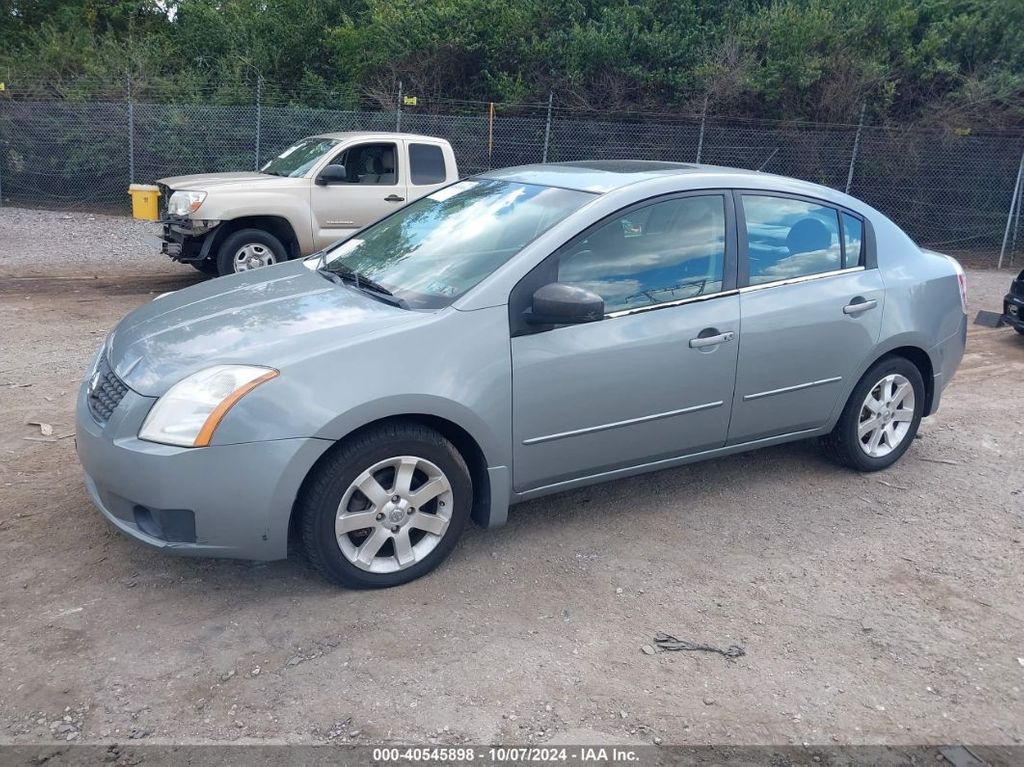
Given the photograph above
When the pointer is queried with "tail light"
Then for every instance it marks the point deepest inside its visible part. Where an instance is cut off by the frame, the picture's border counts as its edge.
(961, 282)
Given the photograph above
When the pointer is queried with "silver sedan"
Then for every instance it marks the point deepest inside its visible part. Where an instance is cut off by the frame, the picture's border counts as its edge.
(519, 333)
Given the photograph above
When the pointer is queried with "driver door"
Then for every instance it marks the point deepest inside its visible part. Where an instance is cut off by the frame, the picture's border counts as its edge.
(375, 184)
(654, 379)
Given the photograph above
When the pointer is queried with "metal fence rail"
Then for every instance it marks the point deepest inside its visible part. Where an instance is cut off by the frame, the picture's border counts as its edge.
(952, 191)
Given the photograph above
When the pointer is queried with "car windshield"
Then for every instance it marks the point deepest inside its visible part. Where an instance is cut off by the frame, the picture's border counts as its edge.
(434, 250)
(297, 159)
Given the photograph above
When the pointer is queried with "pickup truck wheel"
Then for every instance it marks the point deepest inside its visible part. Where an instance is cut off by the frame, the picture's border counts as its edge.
(249, 249)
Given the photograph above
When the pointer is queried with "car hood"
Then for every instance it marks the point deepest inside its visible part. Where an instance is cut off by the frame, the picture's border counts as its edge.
(270, 316)
(202, 182)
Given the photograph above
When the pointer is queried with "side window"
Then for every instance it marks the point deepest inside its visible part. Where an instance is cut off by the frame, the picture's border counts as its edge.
(790, 238)
(853, 241)
(664, 252)
(374, 164)
(426, 164)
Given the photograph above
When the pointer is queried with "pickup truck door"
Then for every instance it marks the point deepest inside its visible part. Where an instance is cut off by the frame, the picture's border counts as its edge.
(375, 184)
(431, 166)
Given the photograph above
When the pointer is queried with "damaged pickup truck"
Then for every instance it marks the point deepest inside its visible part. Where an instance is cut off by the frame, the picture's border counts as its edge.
(316, 192)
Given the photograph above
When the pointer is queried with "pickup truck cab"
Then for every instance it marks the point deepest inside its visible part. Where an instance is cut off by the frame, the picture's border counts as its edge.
(316, 192)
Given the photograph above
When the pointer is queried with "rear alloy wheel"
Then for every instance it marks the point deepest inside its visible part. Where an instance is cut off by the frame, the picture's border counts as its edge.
(249, 249)
(386, 507)
(881, 417)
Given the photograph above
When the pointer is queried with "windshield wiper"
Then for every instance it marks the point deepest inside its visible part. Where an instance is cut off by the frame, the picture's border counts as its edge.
(363, 283)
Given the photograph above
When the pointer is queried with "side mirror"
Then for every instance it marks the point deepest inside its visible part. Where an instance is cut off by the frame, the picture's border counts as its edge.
(332, 174)
(559, 304)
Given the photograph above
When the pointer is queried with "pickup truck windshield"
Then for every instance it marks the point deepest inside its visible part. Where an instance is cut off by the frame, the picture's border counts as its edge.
(435, 249)
(297, 159)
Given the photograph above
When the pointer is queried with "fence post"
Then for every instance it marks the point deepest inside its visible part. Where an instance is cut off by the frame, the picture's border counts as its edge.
(1016, 227)
(3, 159)
(259, 117)
(131, 132)
(490, 132)
(1014, 201)
(398, 110)
(703, 119)
(856, 147)
(547, 129)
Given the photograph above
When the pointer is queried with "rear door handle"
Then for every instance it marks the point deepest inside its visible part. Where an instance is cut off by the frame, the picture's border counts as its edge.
(394, 198)
(721, 338)
(857, 307)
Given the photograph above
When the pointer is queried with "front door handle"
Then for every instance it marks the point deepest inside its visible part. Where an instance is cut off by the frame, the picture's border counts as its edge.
(856, 306)
(394, 198)
(705, 341)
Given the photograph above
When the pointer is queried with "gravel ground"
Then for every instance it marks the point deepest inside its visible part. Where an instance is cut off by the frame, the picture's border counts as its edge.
(880, 608)
(37, 242)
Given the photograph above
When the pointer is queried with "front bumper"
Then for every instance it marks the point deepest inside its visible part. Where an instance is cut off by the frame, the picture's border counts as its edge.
(220, 501)
(1013, 311)
(185, 239)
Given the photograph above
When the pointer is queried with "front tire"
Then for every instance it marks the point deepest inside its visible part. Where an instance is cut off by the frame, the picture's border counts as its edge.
(386, 507)
(249, 249)
(881, 417)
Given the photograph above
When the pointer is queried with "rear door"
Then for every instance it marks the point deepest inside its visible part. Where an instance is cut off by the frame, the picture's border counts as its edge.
(654, 378)
(428, 168)
(375, 184)
(810, 308)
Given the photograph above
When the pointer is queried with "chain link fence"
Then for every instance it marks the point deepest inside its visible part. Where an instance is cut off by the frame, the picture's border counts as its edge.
(948, 190)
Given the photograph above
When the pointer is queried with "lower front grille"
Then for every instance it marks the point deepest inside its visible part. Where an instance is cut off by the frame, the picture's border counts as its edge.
(105, 392)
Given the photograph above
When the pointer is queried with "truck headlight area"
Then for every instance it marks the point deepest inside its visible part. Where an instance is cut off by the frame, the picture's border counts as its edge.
(184, 202)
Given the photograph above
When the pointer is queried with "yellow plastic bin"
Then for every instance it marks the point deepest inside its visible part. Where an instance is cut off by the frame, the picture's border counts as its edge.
(145, 199)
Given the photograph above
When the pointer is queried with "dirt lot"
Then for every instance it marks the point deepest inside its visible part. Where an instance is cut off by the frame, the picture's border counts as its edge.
(873, 609)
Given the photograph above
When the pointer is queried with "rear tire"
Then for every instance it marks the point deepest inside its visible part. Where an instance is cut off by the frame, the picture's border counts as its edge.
(1019, 330)
(249, 249)
(881, 418)
(386, 507)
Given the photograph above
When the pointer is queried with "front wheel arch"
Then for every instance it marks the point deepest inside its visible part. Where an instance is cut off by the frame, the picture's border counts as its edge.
(278, 226)
(463, 441)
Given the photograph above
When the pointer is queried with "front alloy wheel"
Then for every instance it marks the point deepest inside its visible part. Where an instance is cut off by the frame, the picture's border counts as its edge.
(385, 506)
(394, 514)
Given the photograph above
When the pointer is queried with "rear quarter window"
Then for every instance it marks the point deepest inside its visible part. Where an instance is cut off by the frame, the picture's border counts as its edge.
(426, 164)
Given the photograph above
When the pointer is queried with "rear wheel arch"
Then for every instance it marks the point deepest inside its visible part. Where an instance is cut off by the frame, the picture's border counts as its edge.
(920, 359)
(463, 441)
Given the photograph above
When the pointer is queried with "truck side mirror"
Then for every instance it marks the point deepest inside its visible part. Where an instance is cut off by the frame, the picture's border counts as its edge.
(332, 174)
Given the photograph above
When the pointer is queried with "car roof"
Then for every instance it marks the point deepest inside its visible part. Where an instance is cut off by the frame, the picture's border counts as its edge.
(345, 135)
(601, 176)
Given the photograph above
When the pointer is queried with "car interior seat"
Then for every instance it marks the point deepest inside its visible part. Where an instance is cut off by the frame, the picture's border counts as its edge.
(807, 236)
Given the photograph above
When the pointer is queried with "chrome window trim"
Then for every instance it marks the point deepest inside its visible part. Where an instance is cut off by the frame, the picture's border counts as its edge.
(618, 424)
(802, 278)
(667, 304)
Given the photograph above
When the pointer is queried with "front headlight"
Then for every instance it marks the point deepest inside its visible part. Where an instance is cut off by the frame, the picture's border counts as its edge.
(183, 203)
(190, 411)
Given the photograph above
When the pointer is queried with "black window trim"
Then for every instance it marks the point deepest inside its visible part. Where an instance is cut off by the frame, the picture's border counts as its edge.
(867, 239)
(398, 164)
(543, 273)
